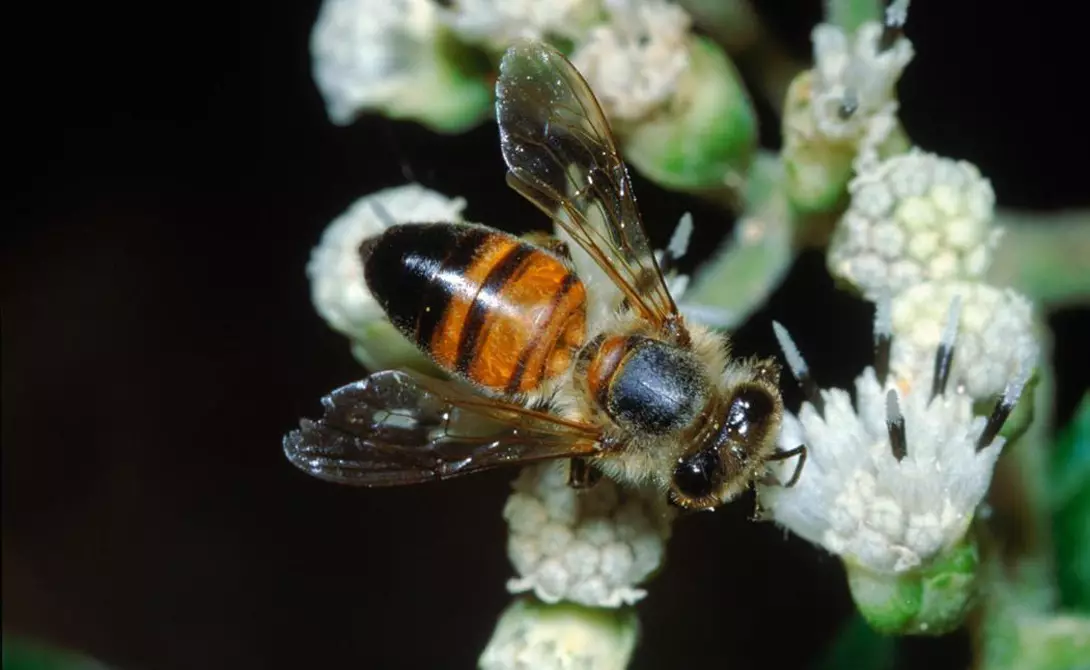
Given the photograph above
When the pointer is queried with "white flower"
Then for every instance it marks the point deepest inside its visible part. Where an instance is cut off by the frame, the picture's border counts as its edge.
(337, 286)
(536, 636)
(592, 547)
(855, 80)
(633, 61)
(995, 339)
(914, 217)
(893, 481)
(387, 55)
(499, 23)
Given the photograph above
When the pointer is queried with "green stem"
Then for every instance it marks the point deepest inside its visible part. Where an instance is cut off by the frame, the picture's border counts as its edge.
(1071, 509)
(754, 260)
(1044, 254)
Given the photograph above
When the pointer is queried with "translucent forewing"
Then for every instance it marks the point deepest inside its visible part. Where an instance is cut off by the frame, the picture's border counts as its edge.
(397, 427)
(560, 152)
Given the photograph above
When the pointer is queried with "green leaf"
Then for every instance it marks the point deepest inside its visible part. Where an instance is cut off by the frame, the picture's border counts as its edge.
(857, 645)
(1071, 509)
(22, 654)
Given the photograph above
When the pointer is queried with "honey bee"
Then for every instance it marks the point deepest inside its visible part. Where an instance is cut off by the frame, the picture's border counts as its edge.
(547, 362)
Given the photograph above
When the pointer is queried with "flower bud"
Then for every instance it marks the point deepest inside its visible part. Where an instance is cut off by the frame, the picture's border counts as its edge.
(592, 547)
(531, 635)
(914, 217)
(395, 57)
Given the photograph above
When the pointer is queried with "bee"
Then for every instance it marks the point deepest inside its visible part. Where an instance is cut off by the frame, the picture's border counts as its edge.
(546, 361)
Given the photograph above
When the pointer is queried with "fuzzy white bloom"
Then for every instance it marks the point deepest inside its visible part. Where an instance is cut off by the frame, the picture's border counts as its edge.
(393, 56)
(854, 78)
(995, 341)
(337, 286)
(635, 59)
(592, 547)
(854, 85)
(363, 51)
(915, 217)
(535, 636)
(855, 499)
(499, 23)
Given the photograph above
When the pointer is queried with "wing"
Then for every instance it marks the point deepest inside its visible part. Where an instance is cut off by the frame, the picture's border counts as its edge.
(560, 152)
(398, 427)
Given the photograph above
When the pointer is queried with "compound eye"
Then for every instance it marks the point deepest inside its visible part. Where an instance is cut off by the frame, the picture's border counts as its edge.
(697, 475)
(749, 410)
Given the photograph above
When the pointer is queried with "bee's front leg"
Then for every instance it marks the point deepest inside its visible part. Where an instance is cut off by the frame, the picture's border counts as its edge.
(582, 475)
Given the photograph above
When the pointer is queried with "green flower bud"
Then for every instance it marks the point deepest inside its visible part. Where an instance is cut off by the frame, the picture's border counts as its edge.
(705, 134)
(931, 600)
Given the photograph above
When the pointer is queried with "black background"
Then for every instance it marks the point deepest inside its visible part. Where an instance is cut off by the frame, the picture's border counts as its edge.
(175, 167)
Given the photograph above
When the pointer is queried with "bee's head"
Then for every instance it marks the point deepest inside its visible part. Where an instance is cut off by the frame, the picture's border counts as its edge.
(723, 465)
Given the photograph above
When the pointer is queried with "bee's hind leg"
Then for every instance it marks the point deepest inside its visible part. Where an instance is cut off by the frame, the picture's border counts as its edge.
(582, 475)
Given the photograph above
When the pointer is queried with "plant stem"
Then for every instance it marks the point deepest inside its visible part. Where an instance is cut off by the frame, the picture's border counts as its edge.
(1044, 254)
(754, 260)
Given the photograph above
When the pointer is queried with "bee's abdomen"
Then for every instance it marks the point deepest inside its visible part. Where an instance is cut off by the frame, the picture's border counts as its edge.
(484, 304)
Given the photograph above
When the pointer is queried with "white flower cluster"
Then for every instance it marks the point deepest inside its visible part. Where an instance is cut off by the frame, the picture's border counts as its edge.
(915, 217)
(855, 77)
(591, 547)
(364, 51)
(535, 636)
(855, 499)
(337, 287)
(892, 481)
(634, 60)
(399, 56)
(499, 23)
(996, 341)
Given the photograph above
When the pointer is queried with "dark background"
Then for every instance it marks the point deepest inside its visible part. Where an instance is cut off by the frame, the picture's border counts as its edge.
(175, 169)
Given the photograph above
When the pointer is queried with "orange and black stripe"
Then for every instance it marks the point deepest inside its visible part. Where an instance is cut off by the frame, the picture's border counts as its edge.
(484, 304)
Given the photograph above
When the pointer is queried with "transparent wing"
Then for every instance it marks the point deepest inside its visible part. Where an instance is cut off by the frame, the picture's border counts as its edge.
(398, 427)
(561, 155)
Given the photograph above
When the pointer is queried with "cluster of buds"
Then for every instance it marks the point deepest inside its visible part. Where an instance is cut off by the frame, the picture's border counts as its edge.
(841, 115)
(674, 98)
(914, 217)
(893, 480)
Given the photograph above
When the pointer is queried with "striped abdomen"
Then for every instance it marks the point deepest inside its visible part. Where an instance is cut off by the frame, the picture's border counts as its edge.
(484, 304)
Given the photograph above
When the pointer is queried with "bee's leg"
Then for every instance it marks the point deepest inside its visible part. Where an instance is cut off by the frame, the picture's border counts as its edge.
(759, 513)
(582, 475)
(783, 455)
(546, 241)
